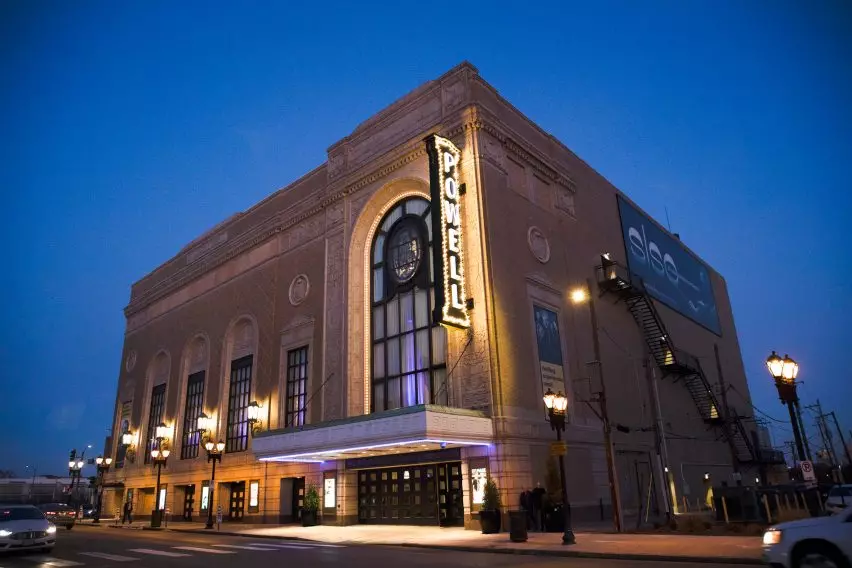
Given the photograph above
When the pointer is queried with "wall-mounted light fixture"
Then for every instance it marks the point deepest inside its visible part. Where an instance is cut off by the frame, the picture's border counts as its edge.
(253, 413)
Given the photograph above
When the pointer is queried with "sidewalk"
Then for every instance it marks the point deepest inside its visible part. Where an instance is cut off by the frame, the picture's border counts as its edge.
(660, 547)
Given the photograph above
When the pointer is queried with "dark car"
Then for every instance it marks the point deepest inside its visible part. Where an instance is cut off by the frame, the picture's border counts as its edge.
(59, 514)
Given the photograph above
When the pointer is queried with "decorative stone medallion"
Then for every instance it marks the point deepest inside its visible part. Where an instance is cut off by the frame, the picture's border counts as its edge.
(299, 288)
(130, 363)
(539, 246)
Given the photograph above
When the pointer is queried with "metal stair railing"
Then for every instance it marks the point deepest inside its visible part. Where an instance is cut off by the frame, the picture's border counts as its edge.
(675, 362)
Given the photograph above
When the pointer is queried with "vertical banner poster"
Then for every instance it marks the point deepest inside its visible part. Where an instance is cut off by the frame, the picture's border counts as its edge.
(549, 350)
(123, 428)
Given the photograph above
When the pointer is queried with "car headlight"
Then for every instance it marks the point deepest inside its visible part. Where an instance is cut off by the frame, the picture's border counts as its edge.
(4, 532)
(772, 536)
(51, 529)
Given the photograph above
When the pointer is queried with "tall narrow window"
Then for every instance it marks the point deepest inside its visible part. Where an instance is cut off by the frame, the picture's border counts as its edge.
(297, 386)
(409, 353)
(155, 416)
(192, 409)
(238, 401)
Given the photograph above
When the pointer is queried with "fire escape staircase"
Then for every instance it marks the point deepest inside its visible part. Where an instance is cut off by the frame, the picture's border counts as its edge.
(676, 363)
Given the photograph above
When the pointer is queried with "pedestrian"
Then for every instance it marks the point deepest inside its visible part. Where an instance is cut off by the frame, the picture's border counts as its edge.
(128, 512)
(526, 506)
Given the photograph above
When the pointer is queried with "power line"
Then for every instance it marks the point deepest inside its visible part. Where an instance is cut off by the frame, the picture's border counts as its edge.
(756, 409)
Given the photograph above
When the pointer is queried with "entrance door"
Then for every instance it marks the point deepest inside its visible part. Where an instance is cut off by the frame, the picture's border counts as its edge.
(411, 495)
(450, 500)
(292, 499)
(188, 502)
(298, 498)
(237, 501)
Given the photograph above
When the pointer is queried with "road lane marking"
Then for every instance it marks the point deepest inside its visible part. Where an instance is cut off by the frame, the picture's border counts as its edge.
(293, 546)
(302, 543)
(157, 552)
(51, 561)
(104, 555)
(246, 547)
(207, 550)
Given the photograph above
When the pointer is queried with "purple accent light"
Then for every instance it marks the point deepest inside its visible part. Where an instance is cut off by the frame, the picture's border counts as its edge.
(313, 457)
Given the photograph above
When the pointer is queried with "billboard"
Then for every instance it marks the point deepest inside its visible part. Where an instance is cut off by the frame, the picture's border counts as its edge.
(549, 349)
(669, 272)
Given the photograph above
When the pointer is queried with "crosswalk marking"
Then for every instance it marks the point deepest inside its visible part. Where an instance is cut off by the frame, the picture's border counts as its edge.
(51, 561)
(157, 552)
(208, 550)
(300, 543)
(104, 555)
(293, 546)
(245, 547)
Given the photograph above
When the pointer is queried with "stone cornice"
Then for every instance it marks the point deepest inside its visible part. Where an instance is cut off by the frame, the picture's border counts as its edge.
(521, 149)
(266, 229)
(336, 191)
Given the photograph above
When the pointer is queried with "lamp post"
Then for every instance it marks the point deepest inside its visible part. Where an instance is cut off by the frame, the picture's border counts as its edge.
(214, 454)
(103, 467)
(556, 403)
(160, 455)
(784, 372)
(581, 296)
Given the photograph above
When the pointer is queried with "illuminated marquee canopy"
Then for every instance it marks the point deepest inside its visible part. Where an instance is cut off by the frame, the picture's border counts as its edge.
(450, 298)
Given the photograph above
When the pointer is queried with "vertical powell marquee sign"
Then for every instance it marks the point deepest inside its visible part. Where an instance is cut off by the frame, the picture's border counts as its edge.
(448, 257)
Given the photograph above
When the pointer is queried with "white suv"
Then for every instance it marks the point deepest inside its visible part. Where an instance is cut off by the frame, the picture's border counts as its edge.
(817, 542)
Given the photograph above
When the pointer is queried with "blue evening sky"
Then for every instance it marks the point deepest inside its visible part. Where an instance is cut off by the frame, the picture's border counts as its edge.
(132, 127)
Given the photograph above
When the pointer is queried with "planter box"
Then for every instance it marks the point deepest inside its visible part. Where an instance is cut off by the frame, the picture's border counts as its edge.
(309, 518)
(490, 521)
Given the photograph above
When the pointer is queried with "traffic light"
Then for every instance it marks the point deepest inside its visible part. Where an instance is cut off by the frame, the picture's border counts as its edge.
(73, 455)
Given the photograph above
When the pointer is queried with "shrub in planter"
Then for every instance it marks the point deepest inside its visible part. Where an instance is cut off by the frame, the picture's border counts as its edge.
(310, 507)
(489, 516)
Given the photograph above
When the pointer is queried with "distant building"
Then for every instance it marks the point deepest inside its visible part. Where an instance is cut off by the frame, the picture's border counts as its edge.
(396, 315)
(41, 489)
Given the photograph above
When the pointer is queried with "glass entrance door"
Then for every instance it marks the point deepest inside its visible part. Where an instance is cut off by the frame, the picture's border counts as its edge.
(237, 501)
(450, 499)
(298, 498)
(411, 495)
(188, 502)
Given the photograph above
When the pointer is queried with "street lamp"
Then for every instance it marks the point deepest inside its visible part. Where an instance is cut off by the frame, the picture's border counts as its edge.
(214, 454)
(784, 372)
(160, 455)
(103, 467)
(579, 296)
(556, 404)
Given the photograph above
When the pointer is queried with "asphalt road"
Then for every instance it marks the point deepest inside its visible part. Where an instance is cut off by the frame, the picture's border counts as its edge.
(105, 547)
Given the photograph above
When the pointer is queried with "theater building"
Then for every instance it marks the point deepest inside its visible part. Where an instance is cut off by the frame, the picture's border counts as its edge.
(385, 327)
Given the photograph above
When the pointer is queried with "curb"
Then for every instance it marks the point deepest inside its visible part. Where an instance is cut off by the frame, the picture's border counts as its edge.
(518, 551)
(597, 555)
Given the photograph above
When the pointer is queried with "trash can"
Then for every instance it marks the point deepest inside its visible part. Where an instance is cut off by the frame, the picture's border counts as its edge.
(518, 526)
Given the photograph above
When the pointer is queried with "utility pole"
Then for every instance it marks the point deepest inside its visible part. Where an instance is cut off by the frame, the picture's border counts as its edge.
(803, 431)
(791, 447)
(607, 428)
(726, 416)
(825, 435)
(842, 440)
(827, 440)
(661, 465)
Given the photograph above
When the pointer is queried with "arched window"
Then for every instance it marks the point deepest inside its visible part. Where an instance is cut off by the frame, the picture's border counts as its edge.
(409, 353)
